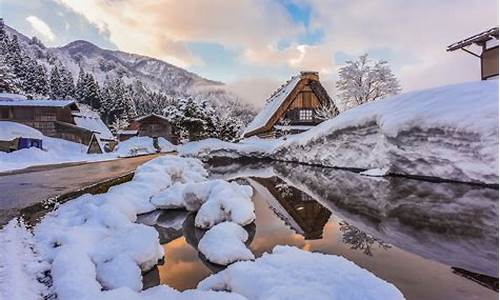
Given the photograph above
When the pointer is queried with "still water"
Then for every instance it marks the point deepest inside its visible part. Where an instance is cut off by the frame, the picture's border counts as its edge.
(431, 240)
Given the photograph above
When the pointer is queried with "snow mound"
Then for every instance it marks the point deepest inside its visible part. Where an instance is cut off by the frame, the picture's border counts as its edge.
(12, 130)
(137, 145)
(215, 200)
(224, 244)
(291, 273)
(141, 145)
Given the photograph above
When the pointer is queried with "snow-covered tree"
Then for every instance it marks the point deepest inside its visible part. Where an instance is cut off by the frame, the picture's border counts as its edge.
(192, 117)
(35, 82)
(327, 111)
(7, 78)
(67, 83)
(55, 84)
(117, 104)
(363, 80)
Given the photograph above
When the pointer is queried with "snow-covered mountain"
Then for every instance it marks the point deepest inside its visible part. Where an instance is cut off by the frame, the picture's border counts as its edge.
(155, 73)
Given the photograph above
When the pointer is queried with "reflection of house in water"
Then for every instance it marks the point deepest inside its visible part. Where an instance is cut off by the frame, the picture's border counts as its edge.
(305, 215)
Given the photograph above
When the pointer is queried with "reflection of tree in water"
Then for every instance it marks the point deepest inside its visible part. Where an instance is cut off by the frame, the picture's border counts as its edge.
(284, 190)
(358, 239)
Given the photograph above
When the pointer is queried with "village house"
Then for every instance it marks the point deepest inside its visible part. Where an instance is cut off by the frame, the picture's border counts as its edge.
(487, 41)
(151, 125)
(292, 108)
(55, 118)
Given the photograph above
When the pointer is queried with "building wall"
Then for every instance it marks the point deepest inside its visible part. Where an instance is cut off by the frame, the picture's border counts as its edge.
(157, 127)
(489, 63)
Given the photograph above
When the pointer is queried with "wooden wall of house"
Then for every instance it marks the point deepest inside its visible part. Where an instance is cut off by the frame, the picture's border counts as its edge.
(157, 127)
(305, 99)
(489, 63)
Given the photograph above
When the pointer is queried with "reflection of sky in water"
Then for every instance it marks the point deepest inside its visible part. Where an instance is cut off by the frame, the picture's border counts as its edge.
(416, 277)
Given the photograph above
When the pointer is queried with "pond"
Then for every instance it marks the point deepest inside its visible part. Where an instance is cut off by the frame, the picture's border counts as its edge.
(432, 240)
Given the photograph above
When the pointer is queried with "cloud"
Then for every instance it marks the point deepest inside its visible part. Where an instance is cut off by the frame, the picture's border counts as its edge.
(41, 27)
(164, 28)
(416, 31)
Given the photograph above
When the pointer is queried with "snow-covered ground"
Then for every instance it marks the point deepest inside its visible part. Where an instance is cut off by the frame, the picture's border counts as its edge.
(449, 132)
(140, 145)
(55, 151)
(95, 250)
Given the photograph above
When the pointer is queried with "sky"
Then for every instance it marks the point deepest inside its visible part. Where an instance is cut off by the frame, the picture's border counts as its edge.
(255, 45)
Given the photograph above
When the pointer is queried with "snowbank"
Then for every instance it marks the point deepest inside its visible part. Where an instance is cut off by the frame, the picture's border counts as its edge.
(13, 130)
(95, 249)
(449, 132)
(291, 273)
(141, 145)
(55, 151)
(209, 148)
(224, 244)
(20, 268)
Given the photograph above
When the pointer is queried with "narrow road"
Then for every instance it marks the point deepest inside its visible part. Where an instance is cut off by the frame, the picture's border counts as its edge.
(20, 189)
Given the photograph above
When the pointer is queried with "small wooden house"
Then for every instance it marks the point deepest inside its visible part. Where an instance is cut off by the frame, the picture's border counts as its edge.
(55, 118)
(151, 125)
(292, 108)
(487, 42)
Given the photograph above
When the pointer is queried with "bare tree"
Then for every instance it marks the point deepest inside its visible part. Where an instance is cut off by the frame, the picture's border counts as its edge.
(363, 80)
(327, 111)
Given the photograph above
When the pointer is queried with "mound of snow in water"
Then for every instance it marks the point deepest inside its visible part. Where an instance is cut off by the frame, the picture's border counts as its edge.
(224, 244)
(215, 200)
(291, 273)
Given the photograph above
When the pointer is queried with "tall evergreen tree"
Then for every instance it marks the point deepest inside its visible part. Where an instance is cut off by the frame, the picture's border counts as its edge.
(67, 83)
(55, 84)
(80, 92)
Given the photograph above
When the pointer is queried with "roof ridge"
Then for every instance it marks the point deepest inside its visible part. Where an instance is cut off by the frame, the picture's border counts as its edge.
(281, 88)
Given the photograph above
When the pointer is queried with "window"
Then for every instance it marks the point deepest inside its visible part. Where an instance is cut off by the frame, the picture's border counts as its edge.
(306, 115)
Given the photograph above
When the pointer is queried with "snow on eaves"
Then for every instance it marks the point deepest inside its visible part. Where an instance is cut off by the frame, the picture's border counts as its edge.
(42, 103)
(272, 105)
(10, 96)
(12, 130)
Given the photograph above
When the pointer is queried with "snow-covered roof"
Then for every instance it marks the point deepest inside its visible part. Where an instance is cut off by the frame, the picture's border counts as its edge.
(12, 130)
(150, 115)
(42, 103)
(90, 120)
(273, 103)
(479, 38)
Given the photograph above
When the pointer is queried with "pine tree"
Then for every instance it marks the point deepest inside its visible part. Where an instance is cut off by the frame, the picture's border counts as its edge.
(67, 88)
(55, 84)
(80, 91)
(92, 92)
(4, 38)
(14, 58)
(7, 78)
